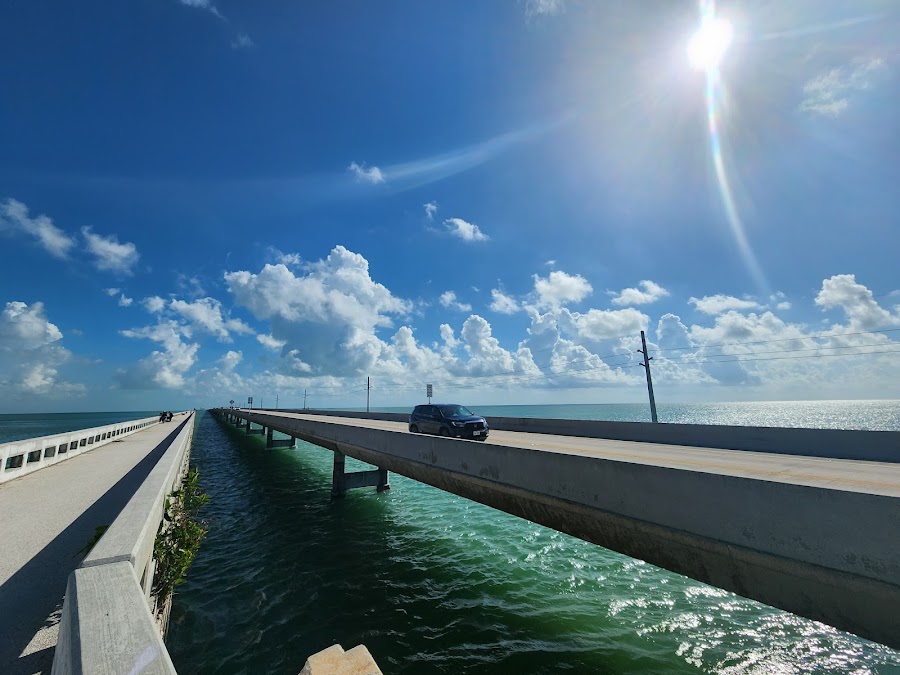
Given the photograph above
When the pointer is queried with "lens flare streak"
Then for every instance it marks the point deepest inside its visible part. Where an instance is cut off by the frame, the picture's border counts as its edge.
(713, 87)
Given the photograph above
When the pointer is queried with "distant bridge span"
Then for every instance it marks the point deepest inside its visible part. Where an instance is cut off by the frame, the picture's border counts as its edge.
(816, 536)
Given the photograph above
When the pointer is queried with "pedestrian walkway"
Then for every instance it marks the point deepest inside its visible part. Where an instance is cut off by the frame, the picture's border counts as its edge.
(46, 519)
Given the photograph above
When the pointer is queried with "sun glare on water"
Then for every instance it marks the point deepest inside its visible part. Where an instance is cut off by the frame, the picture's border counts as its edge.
(708, 45)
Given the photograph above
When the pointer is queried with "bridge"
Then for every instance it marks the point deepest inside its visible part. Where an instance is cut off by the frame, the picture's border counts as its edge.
(67, 606)
(805, 520)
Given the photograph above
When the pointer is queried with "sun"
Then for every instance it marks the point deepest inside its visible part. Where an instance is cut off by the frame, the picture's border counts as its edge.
(707, 46)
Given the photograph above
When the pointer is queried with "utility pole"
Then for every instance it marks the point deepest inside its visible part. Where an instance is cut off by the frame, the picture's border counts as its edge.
(304, 399)
(368, 389)
(646, 365)
(276, 401)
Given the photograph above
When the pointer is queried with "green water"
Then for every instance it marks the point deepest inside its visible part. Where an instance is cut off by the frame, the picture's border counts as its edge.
(432, 583)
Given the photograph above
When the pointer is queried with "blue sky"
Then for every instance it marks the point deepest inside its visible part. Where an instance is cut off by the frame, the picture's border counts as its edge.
(203, 201)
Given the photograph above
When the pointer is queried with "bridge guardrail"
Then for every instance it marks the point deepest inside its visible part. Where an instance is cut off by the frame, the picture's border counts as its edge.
(20, 458)
(107, 624)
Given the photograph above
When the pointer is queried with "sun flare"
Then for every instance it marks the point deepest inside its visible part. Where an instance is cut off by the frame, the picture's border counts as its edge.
(708, 45)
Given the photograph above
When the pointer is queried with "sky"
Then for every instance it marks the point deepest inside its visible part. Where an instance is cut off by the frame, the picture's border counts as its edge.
(207, 200)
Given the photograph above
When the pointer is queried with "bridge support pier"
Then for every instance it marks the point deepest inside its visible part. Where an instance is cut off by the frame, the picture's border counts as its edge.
(279, 442)
(251, 430)
(342, 481)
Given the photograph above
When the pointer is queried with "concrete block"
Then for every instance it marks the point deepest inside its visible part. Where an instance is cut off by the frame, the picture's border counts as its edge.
(335, 661)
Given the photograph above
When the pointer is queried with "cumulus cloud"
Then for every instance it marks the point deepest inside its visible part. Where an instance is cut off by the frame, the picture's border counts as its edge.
(14, 217)
(125, 301)
(329, 315)
(366, 174)
(647, 293)
(206, 315)
(24, 327)
(828, 94)
(430, 209)
(560, 289)
(30, 353)
(502, 303)
(857, 302)
(463, 230)
(109, 254)
(165, 368)
(154, 304)
(448, 300)
(718, 304)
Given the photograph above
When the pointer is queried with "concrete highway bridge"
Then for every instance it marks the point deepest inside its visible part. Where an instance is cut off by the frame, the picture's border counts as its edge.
(801, 519)
(806, 520)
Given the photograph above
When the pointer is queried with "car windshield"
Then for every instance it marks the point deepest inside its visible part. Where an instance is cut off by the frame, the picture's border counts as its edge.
(454, 411)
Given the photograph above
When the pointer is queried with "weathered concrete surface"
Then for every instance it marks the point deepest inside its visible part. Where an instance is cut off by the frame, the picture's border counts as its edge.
(335, 661)
(129, 643)
(48, 517)
(817, 537)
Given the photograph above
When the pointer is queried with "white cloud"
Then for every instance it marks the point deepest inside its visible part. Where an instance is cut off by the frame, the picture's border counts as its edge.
(550, 263)
(24, 327)
(367, 175)
(828, 93)
(269, 342)
(543, 7)
(560, 288)
(14, 216)
(30, 353)
(166, 368)
(502, 303)
(647, 293)
(124, 301)
(448, 300)
(112, 292)
(111, 256)
(465, 231)
(430, 209)
(206, 315)
(154, 304)
(242, 41)
(329, 316)
(719, 304)
(596, 325)
(856, 301)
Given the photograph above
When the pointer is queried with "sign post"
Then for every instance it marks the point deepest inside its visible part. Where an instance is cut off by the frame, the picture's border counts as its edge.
(250, 402)
(428, 392)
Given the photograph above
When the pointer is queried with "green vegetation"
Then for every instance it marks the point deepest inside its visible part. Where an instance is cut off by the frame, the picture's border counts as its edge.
(179, 535)
(92, 541)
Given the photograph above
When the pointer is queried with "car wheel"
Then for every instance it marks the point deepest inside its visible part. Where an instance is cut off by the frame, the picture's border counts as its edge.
(413, 429)
(444, 431)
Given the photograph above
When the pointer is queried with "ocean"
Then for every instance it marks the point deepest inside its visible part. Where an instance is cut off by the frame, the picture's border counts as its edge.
(433, 583)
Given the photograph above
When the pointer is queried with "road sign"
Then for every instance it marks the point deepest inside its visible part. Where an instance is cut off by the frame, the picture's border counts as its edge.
(428, 392)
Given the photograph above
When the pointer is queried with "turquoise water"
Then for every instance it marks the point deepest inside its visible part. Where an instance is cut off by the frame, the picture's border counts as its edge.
(433, 583)
(20, 427)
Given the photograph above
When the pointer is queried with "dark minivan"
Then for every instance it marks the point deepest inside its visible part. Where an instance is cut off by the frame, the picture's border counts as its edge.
(448, 419)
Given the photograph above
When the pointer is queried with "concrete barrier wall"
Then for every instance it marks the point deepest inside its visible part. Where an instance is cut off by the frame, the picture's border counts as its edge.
(873, 446)
(106, 625)
(796, 547)
(19, 458)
